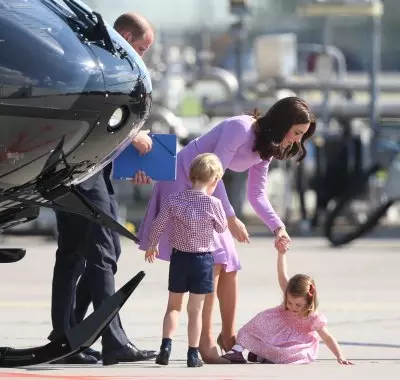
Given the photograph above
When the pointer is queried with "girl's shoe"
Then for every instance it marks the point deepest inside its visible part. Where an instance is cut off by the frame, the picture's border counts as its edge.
(252, 358)
(235, 357)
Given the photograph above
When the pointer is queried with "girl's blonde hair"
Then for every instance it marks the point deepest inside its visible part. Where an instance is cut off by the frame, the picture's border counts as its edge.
(206, 167)
(301, 285)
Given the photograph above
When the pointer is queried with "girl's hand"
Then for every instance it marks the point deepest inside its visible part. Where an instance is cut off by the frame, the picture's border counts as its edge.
(282, 240)
(344, 361)
(238, 229)
(150, 255)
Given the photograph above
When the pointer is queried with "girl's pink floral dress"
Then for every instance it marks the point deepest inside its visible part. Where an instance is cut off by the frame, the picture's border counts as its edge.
(282, 337)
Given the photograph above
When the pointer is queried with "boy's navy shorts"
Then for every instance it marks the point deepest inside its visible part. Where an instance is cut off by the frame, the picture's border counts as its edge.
(191, 272)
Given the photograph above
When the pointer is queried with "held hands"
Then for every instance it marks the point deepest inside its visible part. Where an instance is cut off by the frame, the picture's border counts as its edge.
(150, 255)
(282, 240)
(142, 142)
(238, 229)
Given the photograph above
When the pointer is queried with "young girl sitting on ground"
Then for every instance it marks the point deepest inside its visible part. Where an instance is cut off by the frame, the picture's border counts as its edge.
(194, 216)
(288, 333)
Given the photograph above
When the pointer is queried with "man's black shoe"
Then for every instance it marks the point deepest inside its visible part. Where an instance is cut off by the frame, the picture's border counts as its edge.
(80, 358)
(90, 351)
(127, 354)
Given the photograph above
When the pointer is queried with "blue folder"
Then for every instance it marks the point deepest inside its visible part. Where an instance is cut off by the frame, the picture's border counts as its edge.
(159, 164)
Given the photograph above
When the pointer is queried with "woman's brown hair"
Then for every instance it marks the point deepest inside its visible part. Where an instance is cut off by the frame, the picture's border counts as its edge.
(271, 128)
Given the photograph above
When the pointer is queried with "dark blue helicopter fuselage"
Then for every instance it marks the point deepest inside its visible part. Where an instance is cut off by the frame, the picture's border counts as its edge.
(63, 74)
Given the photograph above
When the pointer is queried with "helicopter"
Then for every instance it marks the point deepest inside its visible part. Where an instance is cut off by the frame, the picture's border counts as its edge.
(73, 94)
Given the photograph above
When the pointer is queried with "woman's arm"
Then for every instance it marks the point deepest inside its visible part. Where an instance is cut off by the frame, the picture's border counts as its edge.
(232, 134)
(221, 194)
(256, 192)
(333, 345)
(283, 278)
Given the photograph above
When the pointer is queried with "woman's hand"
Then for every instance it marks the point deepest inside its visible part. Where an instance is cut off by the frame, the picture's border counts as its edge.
(141, 178)
(238, 229)
(282, 239)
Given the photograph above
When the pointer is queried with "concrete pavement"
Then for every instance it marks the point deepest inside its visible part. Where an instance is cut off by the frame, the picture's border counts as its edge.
(358, 289)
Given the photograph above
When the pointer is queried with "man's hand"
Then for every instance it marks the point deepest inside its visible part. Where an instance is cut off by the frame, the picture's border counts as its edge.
(150, 255)
(142, 142)
(141, 178)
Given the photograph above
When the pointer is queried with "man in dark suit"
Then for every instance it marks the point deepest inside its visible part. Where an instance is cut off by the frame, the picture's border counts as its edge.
(90, 251)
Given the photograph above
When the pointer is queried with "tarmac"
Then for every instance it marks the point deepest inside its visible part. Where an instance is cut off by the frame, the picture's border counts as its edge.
(358, 288)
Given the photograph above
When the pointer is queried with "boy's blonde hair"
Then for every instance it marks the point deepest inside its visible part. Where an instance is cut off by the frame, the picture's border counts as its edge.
(205, 167)
(302, 285)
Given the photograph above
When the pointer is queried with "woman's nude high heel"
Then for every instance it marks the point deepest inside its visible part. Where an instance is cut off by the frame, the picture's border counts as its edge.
(221, 344)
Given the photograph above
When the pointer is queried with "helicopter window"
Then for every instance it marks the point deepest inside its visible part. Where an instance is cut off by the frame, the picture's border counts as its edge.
(41, 55)
(68, 11)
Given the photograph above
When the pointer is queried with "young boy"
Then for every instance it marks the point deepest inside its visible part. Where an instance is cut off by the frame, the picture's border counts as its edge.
(192, 215)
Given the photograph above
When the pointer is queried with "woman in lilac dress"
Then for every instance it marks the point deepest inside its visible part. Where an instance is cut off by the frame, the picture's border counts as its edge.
(246, 142)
